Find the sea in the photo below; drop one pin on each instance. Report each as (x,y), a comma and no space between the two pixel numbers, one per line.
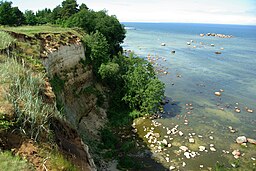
(193,73)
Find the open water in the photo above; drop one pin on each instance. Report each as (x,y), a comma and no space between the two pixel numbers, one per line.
(192,75)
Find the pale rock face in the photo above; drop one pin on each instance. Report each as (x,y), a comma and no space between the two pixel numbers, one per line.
(64,58)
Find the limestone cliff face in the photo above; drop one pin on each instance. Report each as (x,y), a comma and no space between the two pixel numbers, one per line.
(64,58)
(79,95)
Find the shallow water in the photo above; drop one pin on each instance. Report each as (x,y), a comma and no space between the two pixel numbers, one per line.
(194,74)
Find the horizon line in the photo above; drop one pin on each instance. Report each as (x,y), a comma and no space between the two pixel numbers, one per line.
(159,22)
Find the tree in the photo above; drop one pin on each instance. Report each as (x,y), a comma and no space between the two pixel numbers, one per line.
(143,90)
(56,15)
(111,28)
(69,8)
(109,70)
(30,17)
(44,16)
(9,15)
(83,7)
(84,19)
(96,50)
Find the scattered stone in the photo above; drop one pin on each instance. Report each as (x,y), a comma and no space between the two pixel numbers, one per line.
(172,168)
(187,155)
(201,166)
(211,137)
(167,159)
(236,154)
(201,148)
(211,145)
(253,158)
(193,154)
(184,148)
(221,90)
(157,135)
(191,140)
(233,165)
(237,110)
(217,93)
(212,149)
(163,44)
(212,44)
(252,141)
(165,142)
(249,110)
(169,145)
(241,139)
(169,132)
(180,133)
(173,51)
(217,53)
(200,136)
(184,164)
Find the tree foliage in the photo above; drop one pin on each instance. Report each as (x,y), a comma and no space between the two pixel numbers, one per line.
(9,15)
(143,89)
(30,17)
(96,50)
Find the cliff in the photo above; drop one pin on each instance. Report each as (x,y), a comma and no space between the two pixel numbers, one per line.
(71,86)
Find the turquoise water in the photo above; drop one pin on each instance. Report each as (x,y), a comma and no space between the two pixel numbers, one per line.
(194,73)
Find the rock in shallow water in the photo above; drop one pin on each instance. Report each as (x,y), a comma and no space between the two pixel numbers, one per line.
(183,148)
(241,139)
(171,168)
(217,93)
(202,148)
(252,141)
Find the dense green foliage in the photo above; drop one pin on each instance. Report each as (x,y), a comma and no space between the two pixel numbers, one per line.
(96,49)
(9,15)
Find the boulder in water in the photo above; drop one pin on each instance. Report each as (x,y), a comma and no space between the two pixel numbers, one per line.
(241,140)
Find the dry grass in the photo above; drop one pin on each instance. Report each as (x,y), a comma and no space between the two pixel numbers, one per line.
(24,94)
(5,40)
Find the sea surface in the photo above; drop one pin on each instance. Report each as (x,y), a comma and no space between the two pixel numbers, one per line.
(192,75)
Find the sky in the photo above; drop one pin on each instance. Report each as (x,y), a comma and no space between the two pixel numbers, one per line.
(183,11)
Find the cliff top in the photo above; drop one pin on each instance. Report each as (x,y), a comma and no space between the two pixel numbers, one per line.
(32,30)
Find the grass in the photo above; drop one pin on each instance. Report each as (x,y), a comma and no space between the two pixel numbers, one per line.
(13,163)
(32,30)
(58,162)
(24,93)
(5,40)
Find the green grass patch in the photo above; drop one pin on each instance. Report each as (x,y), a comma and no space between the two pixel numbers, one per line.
(5,40)
(58,162)
(32,30)
(13,163)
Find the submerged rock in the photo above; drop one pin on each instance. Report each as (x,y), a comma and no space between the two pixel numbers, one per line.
(252,141)
(184,148)
(202,148)
(217,93)
(241,139)
(187,155)
(172,168)
(191,140)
